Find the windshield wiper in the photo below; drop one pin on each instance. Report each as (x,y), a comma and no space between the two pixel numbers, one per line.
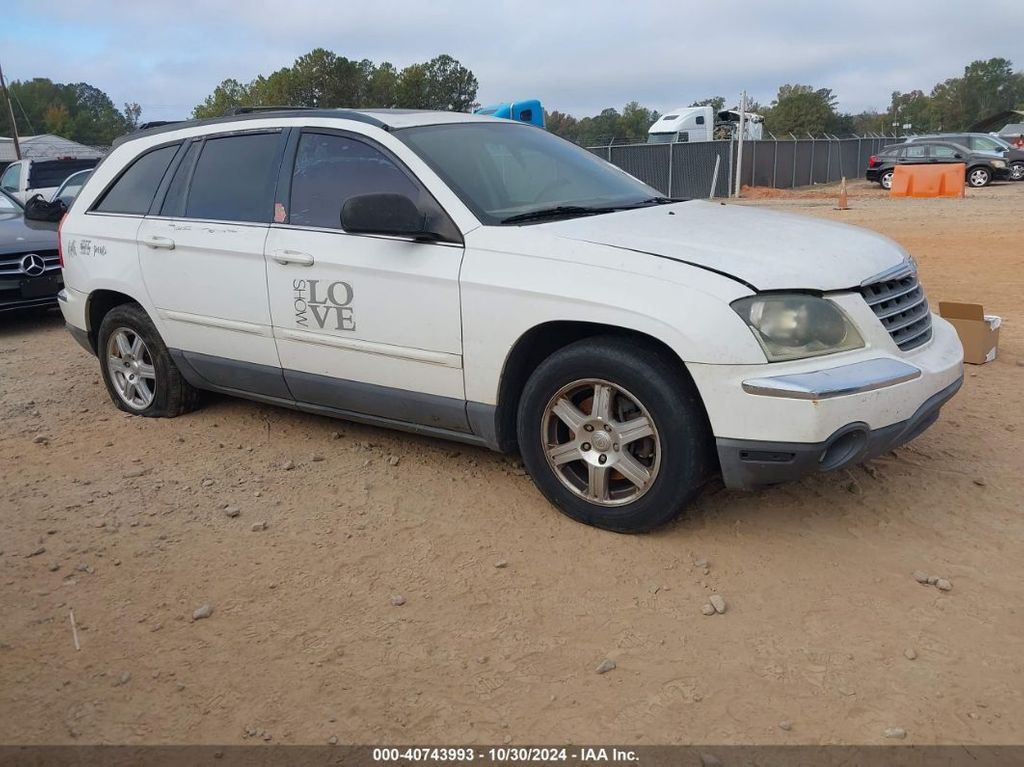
(555,212)
(659,201)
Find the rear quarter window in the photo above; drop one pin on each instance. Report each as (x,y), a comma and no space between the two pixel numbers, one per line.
(132,193)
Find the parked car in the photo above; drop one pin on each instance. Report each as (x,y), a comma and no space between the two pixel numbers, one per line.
(479,280)
(983,142)
(29,264)
(982,167)
(25,178)
(68,191)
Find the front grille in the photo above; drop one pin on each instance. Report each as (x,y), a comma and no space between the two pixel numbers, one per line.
(901,305)
(10,263)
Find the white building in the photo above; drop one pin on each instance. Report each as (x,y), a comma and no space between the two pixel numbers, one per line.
(46,147)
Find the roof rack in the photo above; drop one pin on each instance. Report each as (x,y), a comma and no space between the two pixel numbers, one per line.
(253,113)
(250,110)
(156,124)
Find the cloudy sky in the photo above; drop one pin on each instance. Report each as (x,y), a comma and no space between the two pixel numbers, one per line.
(577,57)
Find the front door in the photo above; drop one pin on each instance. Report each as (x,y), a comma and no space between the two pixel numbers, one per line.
(364,324)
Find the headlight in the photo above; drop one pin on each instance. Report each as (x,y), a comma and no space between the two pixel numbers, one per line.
(998,163)
(794,326)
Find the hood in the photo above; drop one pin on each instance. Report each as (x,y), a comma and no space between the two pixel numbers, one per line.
(765,249)
(18,235)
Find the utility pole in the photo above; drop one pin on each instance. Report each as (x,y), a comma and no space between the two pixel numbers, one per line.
(10,112)
(739,148)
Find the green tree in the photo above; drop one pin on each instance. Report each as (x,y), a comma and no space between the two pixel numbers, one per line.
(986,87)
(382,86)
(635,121)
(913,108)
(800,109)
(562,124)
(451,87)
(715,102)
(77,111)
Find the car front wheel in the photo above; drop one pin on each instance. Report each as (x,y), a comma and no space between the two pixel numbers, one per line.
(979,177)
(137,369)
(614,434)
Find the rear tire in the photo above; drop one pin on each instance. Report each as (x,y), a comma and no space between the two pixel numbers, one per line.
(137,369)
(978,177)
(614,434)
(885,181)
(1017,171)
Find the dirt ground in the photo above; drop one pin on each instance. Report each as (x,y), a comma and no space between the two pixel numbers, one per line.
(509,606)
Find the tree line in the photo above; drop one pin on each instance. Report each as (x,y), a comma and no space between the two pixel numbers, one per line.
(77,111)
(322,78)
(985,88)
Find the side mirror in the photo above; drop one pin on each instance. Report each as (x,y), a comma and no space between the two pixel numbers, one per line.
(394,215)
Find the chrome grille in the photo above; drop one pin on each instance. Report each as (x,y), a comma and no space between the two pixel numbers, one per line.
(901,306)
(10,263)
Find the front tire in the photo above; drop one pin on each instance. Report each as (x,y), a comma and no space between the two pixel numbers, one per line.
(979,177)
(614,434)
(137,369)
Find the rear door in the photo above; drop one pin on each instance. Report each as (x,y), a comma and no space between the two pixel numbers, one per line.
(201,252)
(365,324)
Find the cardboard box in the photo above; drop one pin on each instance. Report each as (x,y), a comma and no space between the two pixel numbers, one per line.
(979,332)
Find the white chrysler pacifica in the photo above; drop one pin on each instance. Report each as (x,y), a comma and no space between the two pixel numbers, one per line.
(482,280)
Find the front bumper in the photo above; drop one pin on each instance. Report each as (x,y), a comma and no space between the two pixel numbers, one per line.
(750,464)
(779,421)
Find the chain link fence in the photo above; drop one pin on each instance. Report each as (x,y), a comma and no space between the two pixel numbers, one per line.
(688,169)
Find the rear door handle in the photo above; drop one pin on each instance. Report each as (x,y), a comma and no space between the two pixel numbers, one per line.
(292,257)
(159,243)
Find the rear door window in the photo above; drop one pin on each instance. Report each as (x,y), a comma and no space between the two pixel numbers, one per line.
(916,151)
(234,178)
(133,192)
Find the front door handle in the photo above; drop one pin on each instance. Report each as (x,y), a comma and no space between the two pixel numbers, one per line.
(292,257)
(159,243)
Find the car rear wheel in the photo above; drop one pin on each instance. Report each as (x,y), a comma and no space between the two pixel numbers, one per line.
(614,434)
(979,177)
(137,369)
(886,180)
(1017,170)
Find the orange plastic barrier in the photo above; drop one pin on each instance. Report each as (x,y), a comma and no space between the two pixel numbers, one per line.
(940,180)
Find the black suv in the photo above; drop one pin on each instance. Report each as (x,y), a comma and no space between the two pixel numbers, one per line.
(29,264)
(982,167)
(983,142)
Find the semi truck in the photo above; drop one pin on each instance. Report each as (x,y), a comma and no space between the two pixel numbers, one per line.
(689,124)
(528,111)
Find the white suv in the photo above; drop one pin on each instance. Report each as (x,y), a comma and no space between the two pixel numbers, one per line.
(481,280)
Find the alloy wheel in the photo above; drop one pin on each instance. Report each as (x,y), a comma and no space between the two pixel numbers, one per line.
(978,177)
(601,442)
(131,370)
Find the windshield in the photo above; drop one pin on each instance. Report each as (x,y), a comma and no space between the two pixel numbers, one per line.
(990,144)
(8,205)
(504,170)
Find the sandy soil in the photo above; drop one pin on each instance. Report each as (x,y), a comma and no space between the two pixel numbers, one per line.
(304,642)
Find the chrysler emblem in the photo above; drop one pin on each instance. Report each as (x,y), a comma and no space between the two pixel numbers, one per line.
(33,265)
